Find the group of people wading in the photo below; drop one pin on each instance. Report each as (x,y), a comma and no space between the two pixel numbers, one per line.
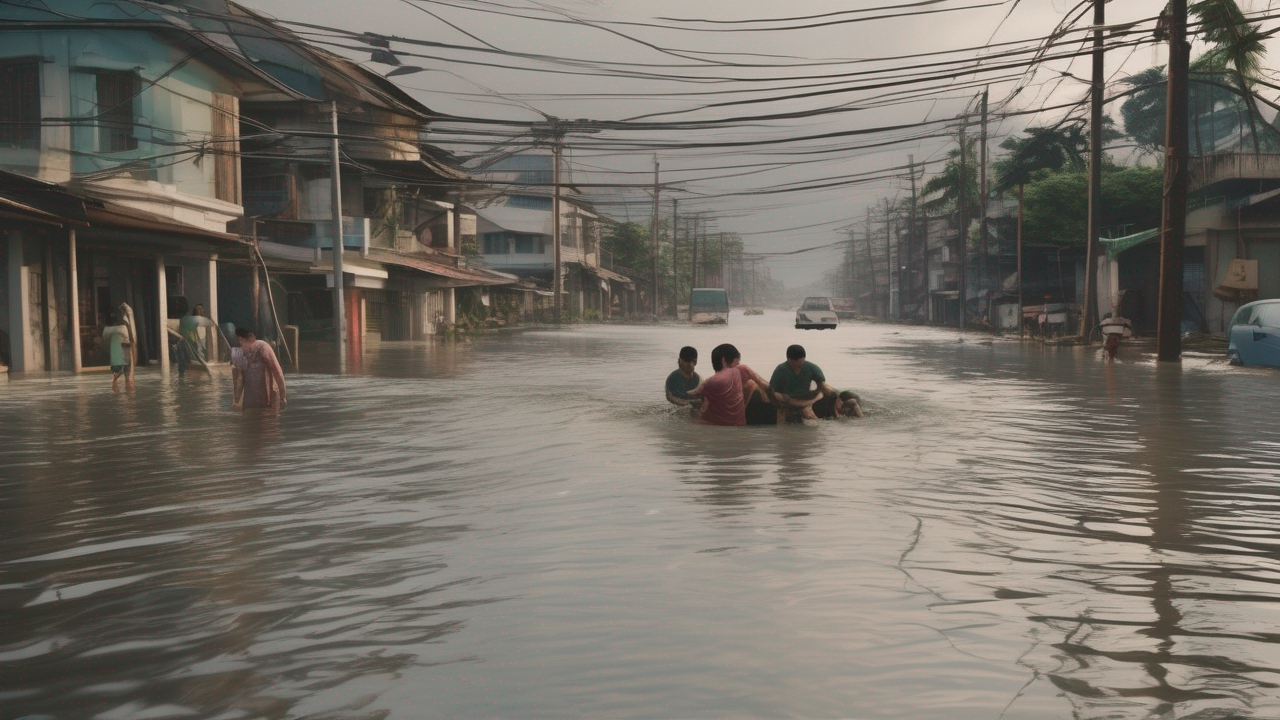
(737,395)
(257,380)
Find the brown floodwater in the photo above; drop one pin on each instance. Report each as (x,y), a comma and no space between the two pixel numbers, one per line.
(516,526)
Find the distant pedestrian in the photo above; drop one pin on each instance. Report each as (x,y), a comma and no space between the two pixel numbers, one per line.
(725,394)
(118,339)
(683,382)
(189,346)
(257,380)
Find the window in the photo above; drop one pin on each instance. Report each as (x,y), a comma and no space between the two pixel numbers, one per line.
(117,92)
(525,244)
(819,303)
(495,244)
(529,202)
(1268,315)
(20,105)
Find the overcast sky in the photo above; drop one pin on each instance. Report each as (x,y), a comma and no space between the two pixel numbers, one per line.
(769,222)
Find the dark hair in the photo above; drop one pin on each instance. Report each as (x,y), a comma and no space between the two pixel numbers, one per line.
(847,395)
(689,354)
(113,319)
(722,354)
(244,332)
(795,352)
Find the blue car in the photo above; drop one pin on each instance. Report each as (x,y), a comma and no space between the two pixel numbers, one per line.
(1255,334)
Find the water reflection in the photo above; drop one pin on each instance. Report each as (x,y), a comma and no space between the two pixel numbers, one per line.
(516,526)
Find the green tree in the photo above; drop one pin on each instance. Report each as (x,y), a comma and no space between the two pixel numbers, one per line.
(945,190)
(1057,203)
(1240,44)
(629,245)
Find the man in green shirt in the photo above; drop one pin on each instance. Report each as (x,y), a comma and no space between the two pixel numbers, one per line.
(794,383)
(116,335)
(683,382)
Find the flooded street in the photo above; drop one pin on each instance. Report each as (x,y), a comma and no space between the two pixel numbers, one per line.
(518,526)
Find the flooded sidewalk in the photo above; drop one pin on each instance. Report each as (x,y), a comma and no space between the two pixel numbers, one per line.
(519,526)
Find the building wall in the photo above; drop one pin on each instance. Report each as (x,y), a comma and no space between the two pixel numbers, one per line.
(172,112)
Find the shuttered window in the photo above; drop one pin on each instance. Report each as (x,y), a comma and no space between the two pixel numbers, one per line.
(117,92)
(20,105)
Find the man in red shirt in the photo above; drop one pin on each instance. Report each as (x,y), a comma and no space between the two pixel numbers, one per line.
(725,394)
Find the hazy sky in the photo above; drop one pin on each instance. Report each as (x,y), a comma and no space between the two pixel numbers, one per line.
(767,222)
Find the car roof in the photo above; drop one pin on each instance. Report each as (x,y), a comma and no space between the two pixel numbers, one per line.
(1267,301)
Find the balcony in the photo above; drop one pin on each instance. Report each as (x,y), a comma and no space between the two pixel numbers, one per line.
(1209,169)
(315,234)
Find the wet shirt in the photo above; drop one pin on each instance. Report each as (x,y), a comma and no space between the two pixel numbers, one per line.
(787,382)
(116,336)
(189,328)
(679,385)
(257,365)
(722,402)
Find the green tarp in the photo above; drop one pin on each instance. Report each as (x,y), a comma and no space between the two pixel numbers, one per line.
(1115,246)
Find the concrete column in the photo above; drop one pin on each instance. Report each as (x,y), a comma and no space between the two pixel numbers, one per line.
(162,319)
(450,307)
(74,294)
(49,306)
(211,310)
(19,306)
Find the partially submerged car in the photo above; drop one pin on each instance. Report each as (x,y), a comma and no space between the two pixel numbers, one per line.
(1254,336)
(816,313)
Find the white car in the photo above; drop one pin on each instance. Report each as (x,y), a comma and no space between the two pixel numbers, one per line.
(816,313)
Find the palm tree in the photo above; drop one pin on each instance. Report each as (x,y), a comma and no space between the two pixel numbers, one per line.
(948,188)
(1239,44)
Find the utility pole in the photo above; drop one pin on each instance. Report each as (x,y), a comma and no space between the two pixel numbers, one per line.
(693,278)
(911,228)
(1020,191)
(1090,306)
(870,269)
(982,223)
(675,266)
(1174,220)
(335,190)
(963,195)
(557,280)
(888,285)
(653,236)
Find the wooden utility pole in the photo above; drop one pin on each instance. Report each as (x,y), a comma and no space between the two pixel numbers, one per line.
(1020,190)
(868,270)
(963,195)
(1089,318)
(335,205)
(675,266)
(888,256)
(1174,221)
(911,231)
(982,199)
(557,272)
(693,277)
(653,238)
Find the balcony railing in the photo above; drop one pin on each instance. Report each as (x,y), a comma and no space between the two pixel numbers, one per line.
(1206,170)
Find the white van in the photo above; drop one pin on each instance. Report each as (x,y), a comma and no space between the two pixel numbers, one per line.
(816,313)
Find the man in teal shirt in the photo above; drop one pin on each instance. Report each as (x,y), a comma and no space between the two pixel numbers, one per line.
(116,335)
(793,385)
(190,347)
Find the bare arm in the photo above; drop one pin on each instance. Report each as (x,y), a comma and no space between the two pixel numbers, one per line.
(237,388)
(675,400)
(274,370)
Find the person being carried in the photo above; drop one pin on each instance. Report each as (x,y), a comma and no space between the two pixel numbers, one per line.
(116,335)
(257,380)
(793,385)
(683,384)
(725,394)
(833,405)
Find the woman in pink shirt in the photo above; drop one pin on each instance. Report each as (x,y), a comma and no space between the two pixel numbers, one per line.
(725,394)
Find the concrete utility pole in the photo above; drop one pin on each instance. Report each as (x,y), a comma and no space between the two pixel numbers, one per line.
(1174,221)
(693,278)
(675,266)
(557,271)
(888,256)
(982,199)
(869,271)
(911,230)
(1089,318)
(653,236)
(963,195)
(335,189)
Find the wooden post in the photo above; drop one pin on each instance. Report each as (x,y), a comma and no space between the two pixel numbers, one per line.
(211,310)
(962,194)
(1174,214)
(335,208)
(74,293)
(557,272)
(162,314)
(982,200)
(1020,191)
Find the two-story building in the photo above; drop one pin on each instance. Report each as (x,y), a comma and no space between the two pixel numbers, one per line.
(119,143)
(515,231)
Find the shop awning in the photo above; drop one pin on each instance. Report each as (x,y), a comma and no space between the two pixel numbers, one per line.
(1115,246)
(464,277)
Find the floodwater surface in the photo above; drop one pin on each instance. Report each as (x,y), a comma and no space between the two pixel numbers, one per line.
(517,526)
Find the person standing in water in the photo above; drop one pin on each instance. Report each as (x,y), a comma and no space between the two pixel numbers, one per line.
(117,337)
(725,394)
(683,382)
(189,347)
(257,380)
